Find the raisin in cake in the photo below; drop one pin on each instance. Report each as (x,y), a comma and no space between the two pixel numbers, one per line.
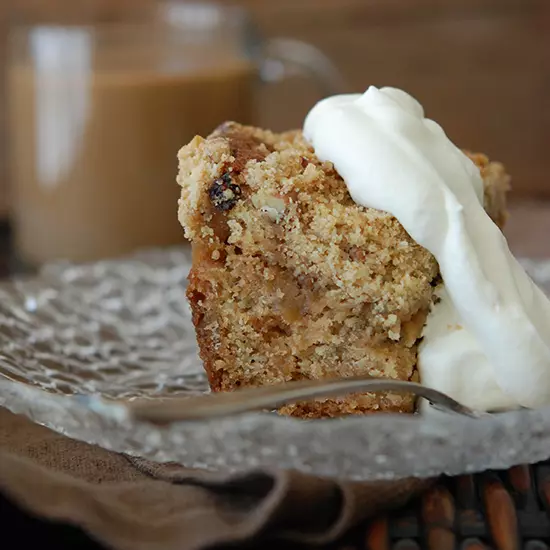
(291,279)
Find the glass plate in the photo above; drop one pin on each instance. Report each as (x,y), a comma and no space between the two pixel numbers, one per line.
(122,329)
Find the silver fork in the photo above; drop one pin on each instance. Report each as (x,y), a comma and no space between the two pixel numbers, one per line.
(218,405)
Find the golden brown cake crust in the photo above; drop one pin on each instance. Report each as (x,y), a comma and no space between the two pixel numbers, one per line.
(291,279)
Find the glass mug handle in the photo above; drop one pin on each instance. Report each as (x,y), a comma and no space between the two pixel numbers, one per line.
(281,58)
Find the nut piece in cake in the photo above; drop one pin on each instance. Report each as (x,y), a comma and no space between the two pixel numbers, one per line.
(293,280)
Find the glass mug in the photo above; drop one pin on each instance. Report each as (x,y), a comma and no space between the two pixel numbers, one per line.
(98,112)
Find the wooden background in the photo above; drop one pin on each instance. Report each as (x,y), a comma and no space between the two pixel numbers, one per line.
(480,67)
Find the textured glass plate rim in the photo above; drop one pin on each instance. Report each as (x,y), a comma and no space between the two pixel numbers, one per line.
(373,447)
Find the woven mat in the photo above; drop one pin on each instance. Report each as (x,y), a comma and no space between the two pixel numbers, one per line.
(501,510)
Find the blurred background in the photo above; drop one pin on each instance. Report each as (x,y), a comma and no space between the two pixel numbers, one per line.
(101,106)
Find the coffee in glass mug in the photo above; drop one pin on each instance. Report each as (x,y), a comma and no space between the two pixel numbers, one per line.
(98,112)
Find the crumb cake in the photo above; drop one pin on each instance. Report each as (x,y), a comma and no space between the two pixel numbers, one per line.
(292,280)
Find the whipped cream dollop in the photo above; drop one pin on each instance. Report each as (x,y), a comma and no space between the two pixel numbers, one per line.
(487,342)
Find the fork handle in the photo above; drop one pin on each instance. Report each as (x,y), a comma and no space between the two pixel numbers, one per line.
(271,397)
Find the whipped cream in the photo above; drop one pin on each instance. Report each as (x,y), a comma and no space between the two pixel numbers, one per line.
(487,343)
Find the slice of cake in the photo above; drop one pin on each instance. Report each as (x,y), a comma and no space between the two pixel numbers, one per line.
(293,280)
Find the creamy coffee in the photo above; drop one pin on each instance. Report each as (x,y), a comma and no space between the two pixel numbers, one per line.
(93,154)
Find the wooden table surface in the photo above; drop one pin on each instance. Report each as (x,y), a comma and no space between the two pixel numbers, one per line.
(528,229)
